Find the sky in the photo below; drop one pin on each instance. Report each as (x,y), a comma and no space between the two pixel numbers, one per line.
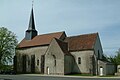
(75,17)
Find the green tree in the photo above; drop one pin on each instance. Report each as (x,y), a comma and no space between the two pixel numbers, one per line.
(8,43)
(115,59)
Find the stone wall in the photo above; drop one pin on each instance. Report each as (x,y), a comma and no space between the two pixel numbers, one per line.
(37,51)
(69,63)
(86,65)
(98,48)
(54,59)
(108,68)
(98,52)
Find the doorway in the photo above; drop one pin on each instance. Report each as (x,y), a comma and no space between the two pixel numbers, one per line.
(101,71)
(47,70)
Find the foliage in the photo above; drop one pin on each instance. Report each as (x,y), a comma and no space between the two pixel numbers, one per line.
(105,58)
(112,59)
(8,43)
(6,67)
(115,59)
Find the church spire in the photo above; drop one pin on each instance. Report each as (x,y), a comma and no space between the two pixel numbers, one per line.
(31,32)
(31,22)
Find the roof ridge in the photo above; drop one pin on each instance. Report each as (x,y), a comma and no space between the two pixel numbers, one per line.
(59,40)
(82,35)
(51,33)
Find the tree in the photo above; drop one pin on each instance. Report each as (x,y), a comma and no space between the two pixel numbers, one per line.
(115,59)
(112,59)
(8,43)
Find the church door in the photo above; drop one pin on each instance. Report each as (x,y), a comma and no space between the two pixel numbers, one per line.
(47,70)
(101,71)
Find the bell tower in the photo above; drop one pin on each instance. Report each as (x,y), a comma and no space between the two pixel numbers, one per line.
(31,32)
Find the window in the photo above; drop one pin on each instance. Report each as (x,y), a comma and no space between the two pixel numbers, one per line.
(37,62)
(54,60)
(98,54)
(79,60)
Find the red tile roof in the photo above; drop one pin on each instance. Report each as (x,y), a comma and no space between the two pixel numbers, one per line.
(63,45)
(81,42)
(40,40)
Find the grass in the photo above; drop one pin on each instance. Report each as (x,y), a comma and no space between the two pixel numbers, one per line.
(80,75)
(108,76)
(90,75)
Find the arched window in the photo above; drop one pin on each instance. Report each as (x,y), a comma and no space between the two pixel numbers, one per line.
(54,60)
(38,62)
(79,60)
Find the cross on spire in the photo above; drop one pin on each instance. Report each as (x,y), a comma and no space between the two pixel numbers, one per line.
(32,3)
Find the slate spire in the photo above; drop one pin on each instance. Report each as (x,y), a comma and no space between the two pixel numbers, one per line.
(31,32)
(31,22)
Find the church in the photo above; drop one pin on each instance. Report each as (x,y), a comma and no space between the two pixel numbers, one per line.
(58,54)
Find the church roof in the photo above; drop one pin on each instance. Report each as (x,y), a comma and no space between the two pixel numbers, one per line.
(81,42)
(40,40)
(63,46)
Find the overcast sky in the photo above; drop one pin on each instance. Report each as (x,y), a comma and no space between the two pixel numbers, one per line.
(75,17)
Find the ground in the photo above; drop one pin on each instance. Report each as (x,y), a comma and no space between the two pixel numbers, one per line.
(44,77)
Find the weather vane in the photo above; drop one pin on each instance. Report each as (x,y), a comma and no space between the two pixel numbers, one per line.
(32,3)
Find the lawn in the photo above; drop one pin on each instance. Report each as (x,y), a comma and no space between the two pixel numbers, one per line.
(80,75)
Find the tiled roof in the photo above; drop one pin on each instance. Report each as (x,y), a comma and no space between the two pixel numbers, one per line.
(40,40)
(81,42)
(63,46)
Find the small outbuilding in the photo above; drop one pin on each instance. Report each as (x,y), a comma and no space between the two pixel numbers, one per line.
(105,68)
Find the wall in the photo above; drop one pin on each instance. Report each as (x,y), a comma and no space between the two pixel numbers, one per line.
(69,64)
(98,48)
(86,63)
(37,51)
(98,52)
(54,53)
(103,65)
(108,68)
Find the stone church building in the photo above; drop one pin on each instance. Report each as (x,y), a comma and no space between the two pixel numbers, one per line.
(59,54)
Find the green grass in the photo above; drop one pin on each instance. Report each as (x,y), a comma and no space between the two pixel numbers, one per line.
(90,75)
(80,75)
(108,76)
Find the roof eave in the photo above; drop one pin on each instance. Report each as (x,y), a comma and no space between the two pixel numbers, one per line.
(81,50)
(31,46)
